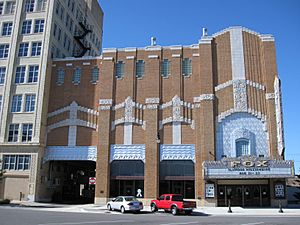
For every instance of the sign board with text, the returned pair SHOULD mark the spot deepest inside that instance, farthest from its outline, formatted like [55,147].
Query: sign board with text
[248,167]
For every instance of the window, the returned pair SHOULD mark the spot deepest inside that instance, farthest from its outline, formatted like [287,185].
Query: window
[95,74]
[71,25]
[30,103]
[16,103]
[41,5]
[10,7]
[120,69]
[7,28]
[23,49]
[27,132]
[60,76]
[242,147]
[16,162]
[62,11]
[65,40]
[39,26]
[20,75]
[26,27]
[33,74]
[165,68]
[2,74]
[140,68]
[13,132]
[186,67]
[59,34]
[4,48]
[67,20]
[29,5]
[57,8]
[36,48]
[1,7]
[76,76]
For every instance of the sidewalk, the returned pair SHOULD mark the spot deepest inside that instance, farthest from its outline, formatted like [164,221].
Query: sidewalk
[213,211]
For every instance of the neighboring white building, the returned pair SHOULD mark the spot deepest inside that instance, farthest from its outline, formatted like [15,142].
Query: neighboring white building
[32,32]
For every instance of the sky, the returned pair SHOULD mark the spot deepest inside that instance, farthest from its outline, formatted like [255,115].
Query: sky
[131,23]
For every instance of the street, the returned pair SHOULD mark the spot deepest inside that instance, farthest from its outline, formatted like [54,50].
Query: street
[31,216]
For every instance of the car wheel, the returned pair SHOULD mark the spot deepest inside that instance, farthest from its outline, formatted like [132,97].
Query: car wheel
[109,207]
[174,210]
[122,209]
[188,212]
[153,208]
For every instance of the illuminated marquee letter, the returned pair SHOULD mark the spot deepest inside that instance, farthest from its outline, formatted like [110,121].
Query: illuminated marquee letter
[248,163]
[262,163]
[235,163]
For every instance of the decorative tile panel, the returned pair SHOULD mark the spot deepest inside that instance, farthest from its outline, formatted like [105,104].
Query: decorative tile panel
[177,152]
[247,125]
[70,153]
[127,152]
[240,95]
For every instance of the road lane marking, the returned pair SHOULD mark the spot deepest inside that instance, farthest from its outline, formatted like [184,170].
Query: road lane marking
[179,223]
[88,222]
[252,223]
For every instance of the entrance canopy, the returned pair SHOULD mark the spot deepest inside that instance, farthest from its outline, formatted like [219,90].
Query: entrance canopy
[70,153]
[248,167]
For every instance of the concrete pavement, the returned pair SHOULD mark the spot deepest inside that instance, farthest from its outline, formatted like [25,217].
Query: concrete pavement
[214,211]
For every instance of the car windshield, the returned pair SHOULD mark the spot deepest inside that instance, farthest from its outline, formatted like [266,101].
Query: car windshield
[130,199]
[177,198]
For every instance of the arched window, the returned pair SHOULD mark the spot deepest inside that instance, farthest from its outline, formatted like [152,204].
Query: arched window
[242,147]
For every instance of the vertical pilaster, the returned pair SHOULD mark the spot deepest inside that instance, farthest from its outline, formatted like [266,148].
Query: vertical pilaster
[204,115]
[103,153]
[107,94]
[151,176]
[269,74]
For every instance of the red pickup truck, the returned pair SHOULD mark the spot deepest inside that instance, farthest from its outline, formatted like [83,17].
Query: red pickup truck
[173,203]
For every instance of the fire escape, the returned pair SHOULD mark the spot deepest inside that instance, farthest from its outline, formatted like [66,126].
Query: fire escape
[80,38]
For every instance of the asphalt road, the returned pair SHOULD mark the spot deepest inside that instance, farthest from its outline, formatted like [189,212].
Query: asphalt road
[29,216]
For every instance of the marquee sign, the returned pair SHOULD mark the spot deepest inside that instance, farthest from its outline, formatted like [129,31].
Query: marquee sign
[248,167]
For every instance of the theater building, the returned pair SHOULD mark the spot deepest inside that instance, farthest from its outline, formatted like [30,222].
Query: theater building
[203,120]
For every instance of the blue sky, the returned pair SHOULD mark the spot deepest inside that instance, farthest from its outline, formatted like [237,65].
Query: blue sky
[131,23]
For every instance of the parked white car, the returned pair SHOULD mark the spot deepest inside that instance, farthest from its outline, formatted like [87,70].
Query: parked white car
[125,203]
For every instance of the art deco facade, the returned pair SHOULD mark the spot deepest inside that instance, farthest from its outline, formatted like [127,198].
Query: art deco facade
[203,120]
[32,33]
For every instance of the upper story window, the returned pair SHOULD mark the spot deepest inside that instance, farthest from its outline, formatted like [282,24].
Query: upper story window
[60,78]
[62,13]
[29,5]
[140,68]
[36,48]
[95,74]
[120,69]
[2,75]
[39,26]
[20,75]
[16,103]
[186,67]
[23,49]
[10,7]
[165,68]
[76,76]
[1,7]
[59,34]
[26,27]
[57,8]
[4,48]
[26,132]
[7,28]
[41,5]
[16,162]
[242,147]
[29,103]
[33,74]
[13,132]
